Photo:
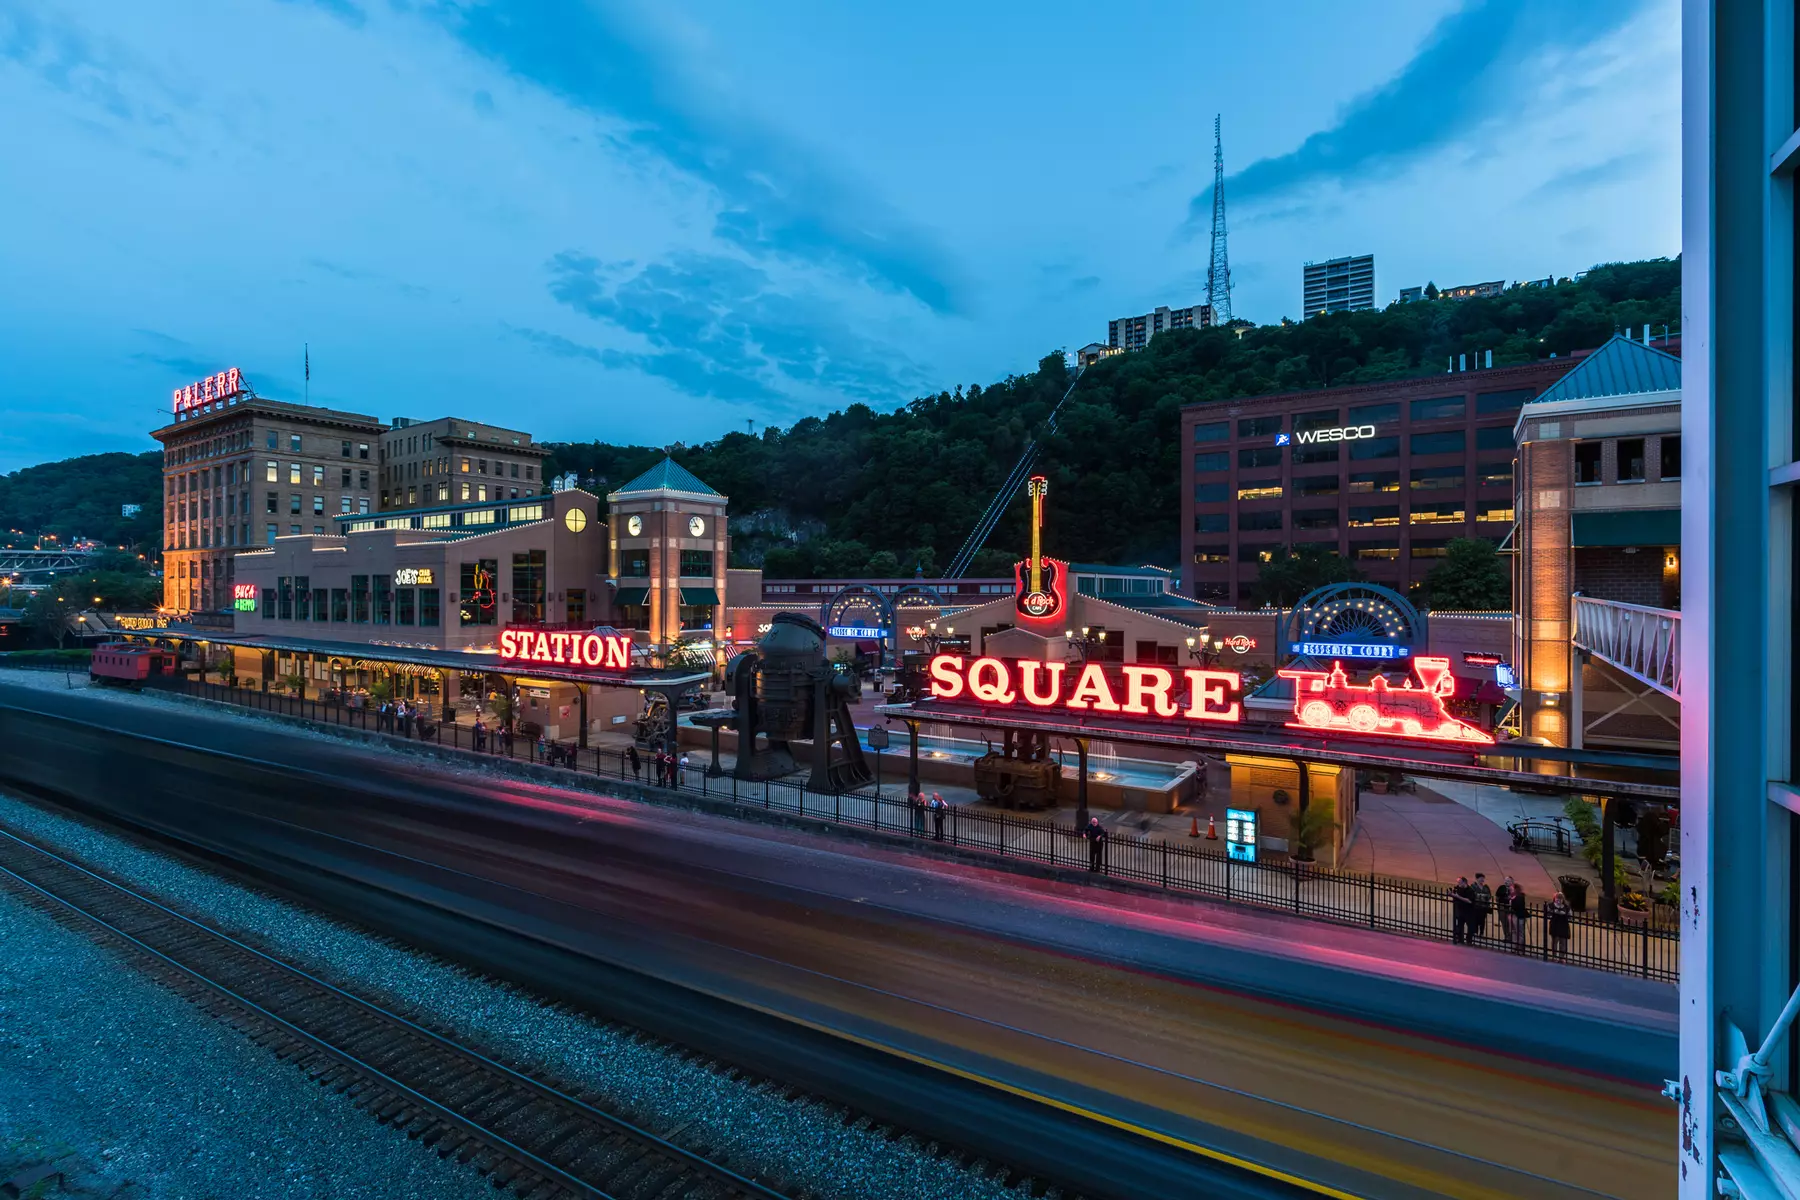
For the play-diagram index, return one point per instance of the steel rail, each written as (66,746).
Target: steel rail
(13,848)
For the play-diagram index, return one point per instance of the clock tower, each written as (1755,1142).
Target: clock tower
(667,556)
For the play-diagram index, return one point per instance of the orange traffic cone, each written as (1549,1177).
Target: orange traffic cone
(1212,833)
(1194,829)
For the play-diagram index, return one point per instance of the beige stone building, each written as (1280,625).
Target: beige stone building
(241,471)
(453,461)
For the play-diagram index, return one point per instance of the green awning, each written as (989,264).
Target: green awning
(699,597)
(1637,527)
(631,596)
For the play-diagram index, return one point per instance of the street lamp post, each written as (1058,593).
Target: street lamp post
(1206,654)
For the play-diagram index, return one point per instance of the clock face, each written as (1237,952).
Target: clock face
(634,525)
(575,519)
(696,526)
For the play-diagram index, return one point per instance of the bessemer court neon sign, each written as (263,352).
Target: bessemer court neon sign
(1143,691)
(612,651)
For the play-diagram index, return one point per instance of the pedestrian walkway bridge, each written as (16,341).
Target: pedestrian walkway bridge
(1642,642)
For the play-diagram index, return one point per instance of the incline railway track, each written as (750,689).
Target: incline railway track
(521,1130)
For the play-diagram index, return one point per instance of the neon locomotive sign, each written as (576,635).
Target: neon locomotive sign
(1144,691)
(612,651)
(1328,700)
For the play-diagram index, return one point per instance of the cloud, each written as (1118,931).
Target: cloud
(1476,66)
(777,200)
(720,327)
(1581,179)
(45,43)
(343,10)
(178,356)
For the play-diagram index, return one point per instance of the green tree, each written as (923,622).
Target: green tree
(884,564)
(1431,291)
(1472,578)
(1297,570)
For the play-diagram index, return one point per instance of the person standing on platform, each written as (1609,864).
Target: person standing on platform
(637,764)
(1095,833)
(1503,901)
(916,802)
(1462,910)
(1556,919)
(480,735)
(681,767)
(938,808)
(1484,904)
(1520,914)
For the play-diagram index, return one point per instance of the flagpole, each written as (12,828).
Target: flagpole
(307,354)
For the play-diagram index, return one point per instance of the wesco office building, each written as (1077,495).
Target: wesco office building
(1383,474)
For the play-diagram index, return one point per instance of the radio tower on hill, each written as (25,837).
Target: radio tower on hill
(1218,272)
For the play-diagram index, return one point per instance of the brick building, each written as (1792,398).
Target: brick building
(452,461)
(1599,515)
(1385,474)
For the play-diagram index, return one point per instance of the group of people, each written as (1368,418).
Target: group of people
(403,717)
(501,739)
(936,806)
(669,763)
(1471,904)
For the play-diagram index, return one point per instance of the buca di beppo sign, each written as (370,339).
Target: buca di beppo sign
(1142,691)
(612,651)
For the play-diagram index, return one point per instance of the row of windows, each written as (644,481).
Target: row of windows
(1359,516)
(1449,441)
(294,599)
(1436,408)
(477,493)
(1629,460)
(695,564)
(1379,550)
(1487,475)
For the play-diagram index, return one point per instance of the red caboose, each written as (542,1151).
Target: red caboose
(1328,700)
(128,664)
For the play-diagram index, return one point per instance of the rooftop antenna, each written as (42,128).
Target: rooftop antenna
(1218,271)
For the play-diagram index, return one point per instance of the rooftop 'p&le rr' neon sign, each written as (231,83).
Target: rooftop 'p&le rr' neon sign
(612,651)
(1145,691)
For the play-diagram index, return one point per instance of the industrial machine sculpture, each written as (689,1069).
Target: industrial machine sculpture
(1021,774)
(785,690)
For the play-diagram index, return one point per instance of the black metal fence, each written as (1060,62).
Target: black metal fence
(1649,949)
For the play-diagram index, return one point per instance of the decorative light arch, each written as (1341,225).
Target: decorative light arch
(1360,614)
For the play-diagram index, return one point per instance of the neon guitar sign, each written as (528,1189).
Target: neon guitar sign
(1040,584)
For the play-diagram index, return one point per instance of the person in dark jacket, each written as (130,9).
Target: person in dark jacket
(938,809)
(1462,910)
(637,764)
(1095,833)
(1503,901)
(1519,915)
(1484,904)
(1556,917)
(480,735)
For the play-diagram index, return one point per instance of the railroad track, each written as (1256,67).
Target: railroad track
(521,1130)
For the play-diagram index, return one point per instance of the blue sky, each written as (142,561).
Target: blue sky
(654,223)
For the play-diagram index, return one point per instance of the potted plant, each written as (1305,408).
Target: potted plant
(1312,828)
(295,683)
(1634,908)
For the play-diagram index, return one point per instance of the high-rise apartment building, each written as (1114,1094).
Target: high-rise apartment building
(452,461)
(1134,333)
(1339,285)
(240,471)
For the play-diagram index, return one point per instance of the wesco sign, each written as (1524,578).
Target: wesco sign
(612,651)
(1144,691)
(1344,433)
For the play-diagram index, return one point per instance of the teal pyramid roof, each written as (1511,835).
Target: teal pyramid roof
(1621,367)
(669,475)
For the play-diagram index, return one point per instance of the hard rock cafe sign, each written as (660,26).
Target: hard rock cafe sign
(1040,583)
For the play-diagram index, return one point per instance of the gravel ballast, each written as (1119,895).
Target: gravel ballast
(134,1093)
(801,1142)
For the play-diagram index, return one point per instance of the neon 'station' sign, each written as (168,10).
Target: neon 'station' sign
(1144,690)
(612,651)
